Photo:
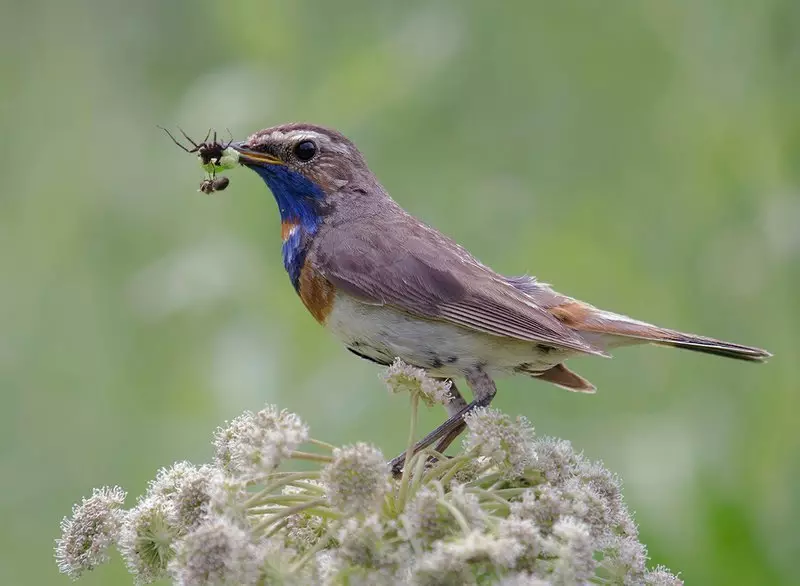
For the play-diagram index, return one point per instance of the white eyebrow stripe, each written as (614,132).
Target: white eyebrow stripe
(319,138)
(296,136)
(299,135)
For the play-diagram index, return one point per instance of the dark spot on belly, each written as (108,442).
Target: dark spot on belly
(436,362)
(452,359)
(544,349)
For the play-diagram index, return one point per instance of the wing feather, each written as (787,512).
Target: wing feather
(416,269)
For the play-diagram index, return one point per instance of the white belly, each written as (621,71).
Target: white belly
(382,333)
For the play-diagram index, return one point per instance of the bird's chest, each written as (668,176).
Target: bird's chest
(316,292)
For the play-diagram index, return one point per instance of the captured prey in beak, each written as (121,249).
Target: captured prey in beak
(214,156)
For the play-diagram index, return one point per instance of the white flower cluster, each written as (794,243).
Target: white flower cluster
(357,479)
(92,529)
(507,442)
(254,444)
(510,509)
(403,378)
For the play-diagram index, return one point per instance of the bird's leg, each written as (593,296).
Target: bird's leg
(457,402)
(483,391)
(448,439)
(454,407)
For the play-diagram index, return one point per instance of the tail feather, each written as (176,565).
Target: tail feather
(611,329)
(563,377)
(715,347)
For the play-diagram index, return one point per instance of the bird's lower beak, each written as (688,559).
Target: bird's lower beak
(251,157)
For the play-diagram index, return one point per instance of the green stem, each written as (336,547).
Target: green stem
(280,499)
(265,510)
(308,486)
(283,481)
(324,512)
(321,444)
(301,507)
(412,432)
(437,454)
(390,505)
(496,484)
(275,528)
(534,477)
(443,466)
(311,457)
(419,471)
(460,519)
(288,511)
(496,508)
(491,495)
(489,479)
(283,474)
(508,491)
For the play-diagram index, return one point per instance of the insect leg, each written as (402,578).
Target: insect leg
(169,134)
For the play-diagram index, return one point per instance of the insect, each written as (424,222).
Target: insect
(209,152)
(214,183)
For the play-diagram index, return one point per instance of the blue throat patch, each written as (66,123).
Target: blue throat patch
(298,201)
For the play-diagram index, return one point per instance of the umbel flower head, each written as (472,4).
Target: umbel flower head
(186,491)
(507,442)
(254,444)
(357,479)
(509,509)
(147,540)
(92,529)
(402,378)
(216,553)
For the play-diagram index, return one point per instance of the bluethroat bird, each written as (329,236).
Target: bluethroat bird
(389,286)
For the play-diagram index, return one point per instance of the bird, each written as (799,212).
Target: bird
(389,286)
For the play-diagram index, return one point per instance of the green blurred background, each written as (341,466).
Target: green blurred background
(644,156)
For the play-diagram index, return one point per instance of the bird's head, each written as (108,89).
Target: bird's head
(312,172)
(308,168)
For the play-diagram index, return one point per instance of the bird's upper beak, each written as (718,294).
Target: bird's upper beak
(248,156)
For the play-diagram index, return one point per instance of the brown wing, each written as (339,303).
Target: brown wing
(414,268)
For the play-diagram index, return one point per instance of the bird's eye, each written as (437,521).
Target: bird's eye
(305,150)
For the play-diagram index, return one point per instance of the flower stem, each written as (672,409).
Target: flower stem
(308,486)
(412,433)
(275,528)
(287,512)
(502,492)
(443,466)
(279,499)
(321,444)
(460,519)
(492,495)
(311,457)
(487,480)
(419,471)
(283,481)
